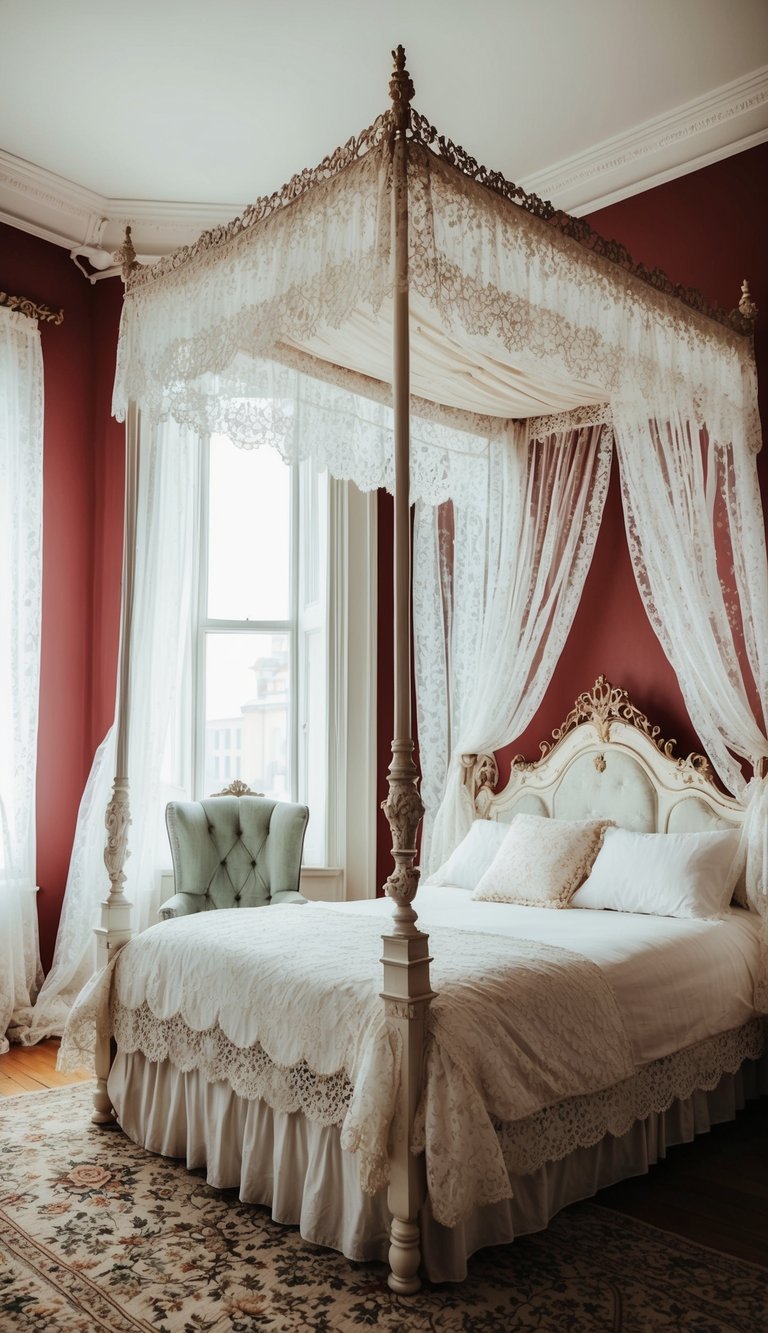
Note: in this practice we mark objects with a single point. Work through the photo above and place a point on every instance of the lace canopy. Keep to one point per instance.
(531, 343)
(280, 313)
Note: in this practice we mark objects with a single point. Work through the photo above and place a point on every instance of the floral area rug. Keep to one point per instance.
(98, 1235)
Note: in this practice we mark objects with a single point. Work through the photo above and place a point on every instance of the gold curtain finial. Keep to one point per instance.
(401, 91)
(42, 313)
(126, 256)
(747, 307)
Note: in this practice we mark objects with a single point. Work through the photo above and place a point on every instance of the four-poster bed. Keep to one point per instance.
(502, 312)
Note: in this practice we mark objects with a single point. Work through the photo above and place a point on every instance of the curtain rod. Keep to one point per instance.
(26, 307)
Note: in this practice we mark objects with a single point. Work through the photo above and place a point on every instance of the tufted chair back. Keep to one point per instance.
(234, 851)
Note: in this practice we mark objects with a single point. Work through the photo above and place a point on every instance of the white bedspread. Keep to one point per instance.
(515, 1025)
(676, 980)
(532, 1007)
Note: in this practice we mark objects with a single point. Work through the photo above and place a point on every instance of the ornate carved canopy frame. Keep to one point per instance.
(404, 120)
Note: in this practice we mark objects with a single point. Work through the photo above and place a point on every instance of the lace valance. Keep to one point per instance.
(509, 319)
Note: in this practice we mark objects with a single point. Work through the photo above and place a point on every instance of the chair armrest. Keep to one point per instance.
(181, 904)
(288, 896)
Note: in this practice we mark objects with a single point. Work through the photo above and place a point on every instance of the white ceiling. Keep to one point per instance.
(174, 115)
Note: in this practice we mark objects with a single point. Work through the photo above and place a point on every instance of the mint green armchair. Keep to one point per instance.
(234, 851)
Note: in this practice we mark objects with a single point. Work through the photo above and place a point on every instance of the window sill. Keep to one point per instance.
(322, 883)
(318, 883)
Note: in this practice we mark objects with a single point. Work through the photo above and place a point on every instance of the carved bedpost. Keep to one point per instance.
(406, 951)
(115, 928)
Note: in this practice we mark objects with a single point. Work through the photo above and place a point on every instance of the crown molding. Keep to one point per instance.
(672, 173)
(727, 120)
(91, 226)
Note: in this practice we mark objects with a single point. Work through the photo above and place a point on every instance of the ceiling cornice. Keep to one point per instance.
(38, 201)
(728, 120)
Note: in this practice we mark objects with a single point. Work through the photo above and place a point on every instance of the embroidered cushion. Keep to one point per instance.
(542, 862)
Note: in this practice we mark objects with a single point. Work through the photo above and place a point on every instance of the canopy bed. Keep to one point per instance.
(523, 350)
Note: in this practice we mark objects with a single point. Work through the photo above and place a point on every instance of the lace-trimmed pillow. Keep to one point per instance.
(469, 861)
(542, 862)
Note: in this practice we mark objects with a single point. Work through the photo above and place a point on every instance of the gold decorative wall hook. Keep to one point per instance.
(24, 306)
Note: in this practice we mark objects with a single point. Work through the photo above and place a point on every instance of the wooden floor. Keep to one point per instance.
(714, 1191)
(33, 1069)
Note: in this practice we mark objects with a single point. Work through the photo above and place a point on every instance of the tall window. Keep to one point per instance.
(262, 639)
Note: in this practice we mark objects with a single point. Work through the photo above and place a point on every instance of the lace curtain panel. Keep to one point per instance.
(348, 433)
(696, 535)
(21, 514)
(495, 594)
(160, 652)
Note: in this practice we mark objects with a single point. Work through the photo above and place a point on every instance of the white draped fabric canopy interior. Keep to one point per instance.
(529, 354)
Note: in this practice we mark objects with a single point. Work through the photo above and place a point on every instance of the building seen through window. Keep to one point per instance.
(253, 744)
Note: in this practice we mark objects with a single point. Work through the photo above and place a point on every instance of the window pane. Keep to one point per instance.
(247, 687)
(249, 541)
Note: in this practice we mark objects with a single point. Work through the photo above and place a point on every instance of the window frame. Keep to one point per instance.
(349, 866)
(205, 625)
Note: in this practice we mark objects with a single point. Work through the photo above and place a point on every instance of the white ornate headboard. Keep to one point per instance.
(607, 760)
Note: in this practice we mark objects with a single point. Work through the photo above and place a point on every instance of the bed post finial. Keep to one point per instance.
(747, 306)
(744, 317)
(401, 91)
(125, 256)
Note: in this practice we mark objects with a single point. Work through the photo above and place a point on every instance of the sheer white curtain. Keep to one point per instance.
(697, 540)
(494, 600)
(21, 536)
(165, 591)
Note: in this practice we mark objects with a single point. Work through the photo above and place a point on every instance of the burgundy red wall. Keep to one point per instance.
(82, 537)
(706, 230)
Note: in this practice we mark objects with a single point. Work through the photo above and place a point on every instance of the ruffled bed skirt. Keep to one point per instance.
(296, 1167)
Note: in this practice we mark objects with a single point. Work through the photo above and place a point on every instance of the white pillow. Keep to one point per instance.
(663, 874)
(469, 861)
(541, 861)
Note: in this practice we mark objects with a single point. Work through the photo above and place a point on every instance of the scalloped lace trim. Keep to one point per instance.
(249, 1072)
(580, 1122)
(526, 1145)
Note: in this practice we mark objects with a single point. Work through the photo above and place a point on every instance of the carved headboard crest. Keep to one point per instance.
(601, 706)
